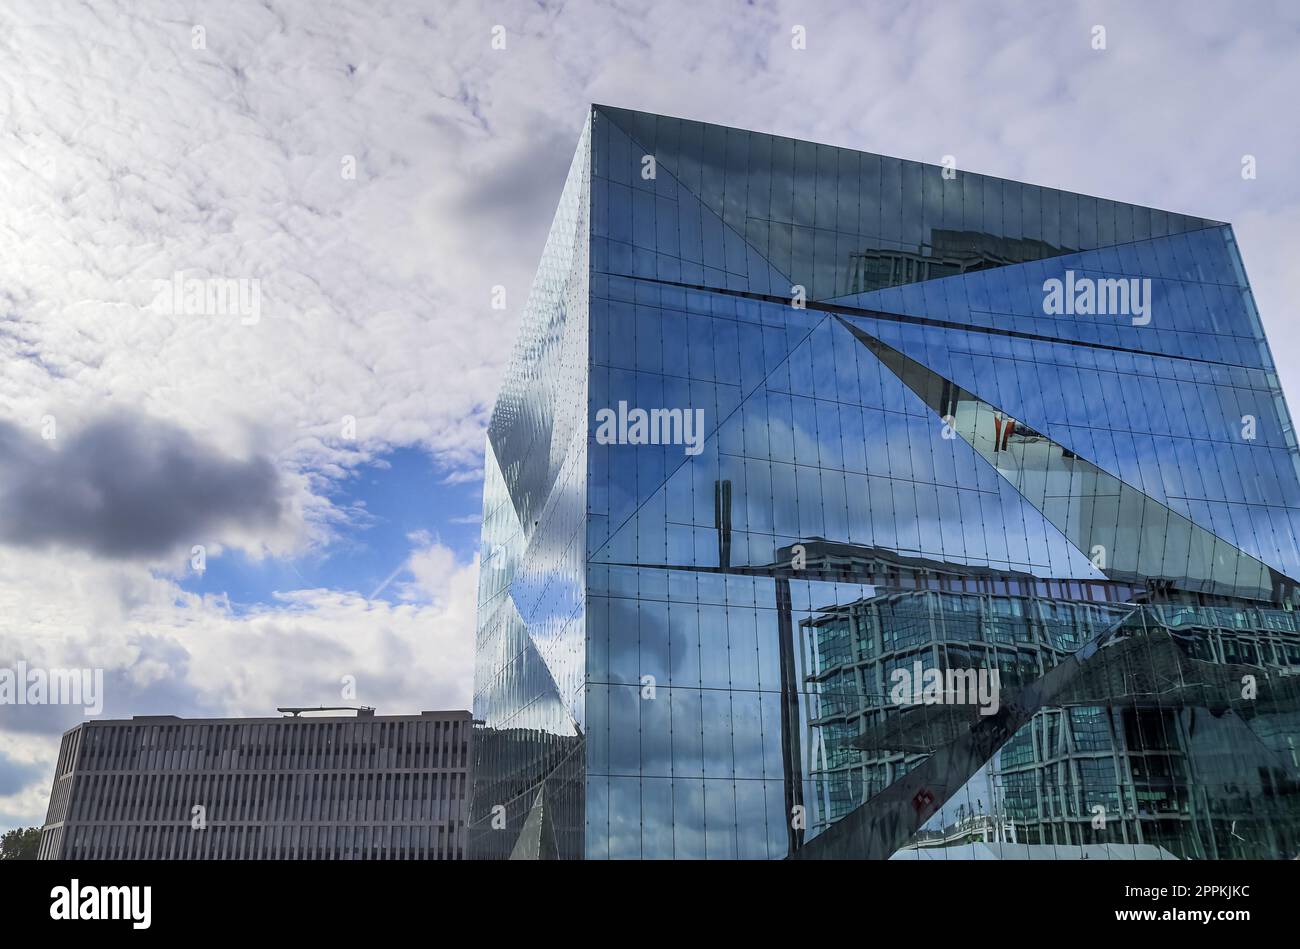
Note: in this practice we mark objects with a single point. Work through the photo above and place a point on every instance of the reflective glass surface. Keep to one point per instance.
(791, 430)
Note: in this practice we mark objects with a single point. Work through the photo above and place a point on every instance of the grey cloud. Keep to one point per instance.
(128, 486)
(124, 695)
(518, 192)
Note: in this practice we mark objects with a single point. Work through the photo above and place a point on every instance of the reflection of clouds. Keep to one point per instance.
(686, 818)
(517, 687)
(911, 490)
(700, 768)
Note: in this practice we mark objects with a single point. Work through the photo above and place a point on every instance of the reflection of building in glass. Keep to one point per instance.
(1163, 765)
(1190, 765)
(949, 253)
(852, 651)
(969, 827)
(906, 453)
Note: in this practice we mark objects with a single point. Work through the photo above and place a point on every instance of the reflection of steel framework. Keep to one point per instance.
(1140, 662)
(949, 253)
(886, 822)
(1150, 671)
(1072, 609)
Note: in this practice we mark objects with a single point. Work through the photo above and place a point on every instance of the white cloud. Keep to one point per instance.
(130, 156)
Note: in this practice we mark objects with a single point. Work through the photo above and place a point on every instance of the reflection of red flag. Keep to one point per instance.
(922, 800)
(997, 431)
(1011, 427)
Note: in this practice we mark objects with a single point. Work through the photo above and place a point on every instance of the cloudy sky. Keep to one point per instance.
(374, 170)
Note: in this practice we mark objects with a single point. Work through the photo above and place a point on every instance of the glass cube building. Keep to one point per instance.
(788, 426)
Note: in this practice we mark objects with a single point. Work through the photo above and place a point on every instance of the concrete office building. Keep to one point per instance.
(362, 787)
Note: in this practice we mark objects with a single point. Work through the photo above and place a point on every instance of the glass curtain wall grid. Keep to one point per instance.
(790, 425)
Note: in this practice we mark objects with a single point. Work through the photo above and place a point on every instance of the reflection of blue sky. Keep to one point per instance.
(829, 439)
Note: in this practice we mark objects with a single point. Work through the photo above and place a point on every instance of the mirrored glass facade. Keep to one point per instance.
(843, 506)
